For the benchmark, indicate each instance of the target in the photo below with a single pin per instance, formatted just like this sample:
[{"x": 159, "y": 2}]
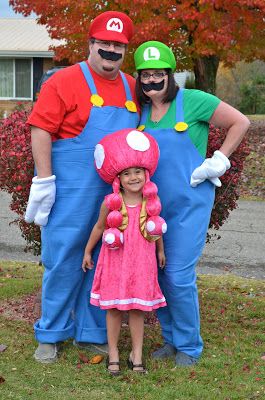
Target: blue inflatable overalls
[
  {"x": 187, "y": 212},
  {"x": 79, "y": 194}
]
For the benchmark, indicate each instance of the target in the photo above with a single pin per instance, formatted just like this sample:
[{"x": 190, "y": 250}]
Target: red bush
[
  {"x": 228, "y": 194},
  {"x": 17, "y": 166}
]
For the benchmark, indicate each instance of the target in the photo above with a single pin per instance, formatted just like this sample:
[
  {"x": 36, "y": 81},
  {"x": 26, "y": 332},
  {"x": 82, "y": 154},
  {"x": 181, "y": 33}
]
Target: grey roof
[{"x": 24, "y": 37}]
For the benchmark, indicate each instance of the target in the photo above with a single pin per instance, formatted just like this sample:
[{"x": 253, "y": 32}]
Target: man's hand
[
  {"x": 212, "y": 169},
  {"x": 41, "y": 200}
]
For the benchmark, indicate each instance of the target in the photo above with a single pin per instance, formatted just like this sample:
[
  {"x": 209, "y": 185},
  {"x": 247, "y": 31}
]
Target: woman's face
[{"x": 154, "y": 82}]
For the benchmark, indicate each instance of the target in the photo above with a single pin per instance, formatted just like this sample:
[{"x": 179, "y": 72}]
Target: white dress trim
[{"x": 127, "y": 301}]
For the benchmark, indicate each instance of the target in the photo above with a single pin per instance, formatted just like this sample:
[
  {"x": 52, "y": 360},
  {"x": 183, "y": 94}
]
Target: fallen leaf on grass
[
  {"x": 263, "y": 357},
  {"x": 96, "y": 359},
  {"x": 3, "y": 347},
  {"x": 246, "y": 368},
  {"x": 192, "y": 375},
  {"x": 83, "y": 358},
  {"x": 2, "y": 380}
]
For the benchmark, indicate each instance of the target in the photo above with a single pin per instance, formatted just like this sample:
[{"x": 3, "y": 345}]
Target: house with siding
[{"x": 24, "y": 55}]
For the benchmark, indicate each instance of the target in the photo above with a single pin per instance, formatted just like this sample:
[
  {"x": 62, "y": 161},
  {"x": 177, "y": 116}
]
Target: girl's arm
[
  {"x": 160, "y": 252},
  {"x": 94, "y": 237}
]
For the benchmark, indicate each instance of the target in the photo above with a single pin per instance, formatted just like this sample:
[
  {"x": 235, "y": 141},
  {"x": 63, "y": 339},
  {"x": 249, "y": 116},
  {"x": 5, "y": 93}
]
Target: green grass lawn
[{"x": 233, "y": 326}]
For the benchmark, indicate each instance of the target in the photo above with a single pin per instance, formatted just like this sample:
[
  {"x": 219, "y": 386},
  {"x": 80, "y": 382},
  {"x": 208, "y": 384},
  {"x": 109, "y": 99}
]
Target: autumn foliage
[
  {"x": 202, "y": 33},
  {"x": 228, "y": 194},
  {"x": 17, "y": 166}
]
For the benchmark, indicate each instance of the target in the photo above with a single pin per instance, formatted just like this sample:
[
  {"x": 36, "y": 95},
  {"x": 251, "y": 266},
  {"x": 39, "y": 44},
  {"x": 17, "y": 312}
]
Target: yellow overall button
[
  {"x": 96, "y": 100},
  {"x": 131, "y": 106},
  {"x": 181, "y": 126},
  {"x": 141, "y": 128}
]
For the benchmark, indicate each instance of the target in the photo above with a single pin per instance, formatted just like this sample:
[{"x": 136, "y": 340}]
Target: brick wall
[{"x": 8, "y": 106}]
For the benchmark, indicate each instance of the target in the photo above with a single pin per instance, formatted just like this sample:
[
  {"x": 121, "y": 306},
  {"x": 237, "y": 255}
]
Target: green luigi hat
[{"x": 152, "y": 55}]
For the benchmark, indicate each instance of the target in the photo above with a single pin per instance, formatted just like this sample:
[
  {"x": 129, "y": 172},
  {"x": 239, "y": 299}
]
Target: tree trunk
[{"x": 205, "y": 70}]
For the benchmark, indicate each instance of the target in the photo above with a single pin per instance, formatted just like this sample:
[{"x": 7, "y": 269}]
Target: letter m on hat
[{"x": 114, "y": 24}]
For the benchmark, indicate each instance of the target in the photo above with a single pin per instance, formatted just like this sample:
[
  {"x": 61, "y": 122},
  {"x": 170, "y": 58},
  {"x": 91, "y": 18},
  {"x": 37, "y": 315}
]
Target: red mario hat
[{"x": 112, "y": 25}]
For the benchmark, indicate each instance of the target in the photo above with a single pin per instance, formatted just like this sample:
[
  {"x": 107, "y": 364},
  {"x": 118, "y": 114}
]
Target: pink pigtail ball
[
  {"x": 114, "y": 219},
  {"x": 112, "y": 238},
  {"x": 156, "y": 226},
  {"x": 153, "y": 206},
  {"x": 113, "y": 201},
  {"x": 150, "y": 190}
]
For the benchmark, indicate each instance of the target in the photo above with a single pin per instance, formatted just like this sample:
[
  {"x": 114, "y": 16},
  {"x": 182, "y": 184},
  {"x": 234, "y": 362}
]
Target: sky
[{"x": 7, "y": 12}]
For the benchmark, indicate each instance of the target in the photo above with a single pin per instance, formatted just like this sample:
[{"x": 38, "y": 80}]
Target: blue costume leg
[
  {"x": 90, "y": 321},
  {"x": 180, "y": 320}
]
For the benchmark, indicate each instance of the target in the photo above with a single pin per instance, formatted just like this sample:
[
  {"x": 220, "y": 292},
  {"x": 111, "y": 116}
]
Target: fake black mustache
[
  {"x": 109, "y": 55},
  {"x": 147, "y": 87}
]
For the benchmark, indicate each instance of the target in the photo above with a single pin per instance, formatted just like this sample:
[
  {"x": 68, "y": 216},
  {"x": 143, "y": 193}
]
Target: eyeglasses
[
  {"x": 156, "y": 75},
  {"x": 106, "y": 45}
]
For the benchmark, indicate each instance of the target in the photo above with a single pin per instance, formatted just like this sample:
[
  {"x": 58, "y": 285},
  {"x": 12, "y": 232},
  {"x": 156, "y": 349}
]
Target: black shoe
[
  {"x": 132, "y": 366},
  {"x": 113, "y": 372}
]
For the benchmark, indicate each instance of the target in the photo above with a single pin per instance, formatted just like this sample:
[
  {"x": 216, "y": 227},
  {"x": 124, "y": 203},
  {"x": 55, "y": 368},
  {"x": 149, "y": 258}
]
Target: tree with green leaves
[{"x": 253, "y": 96}]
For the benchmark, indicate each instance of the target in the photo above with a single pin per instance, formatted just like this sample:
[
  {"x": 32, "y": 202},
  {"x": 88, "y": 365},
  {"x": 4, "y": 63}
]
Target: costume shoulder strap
[
  {"x": 126, "y": 86},
  {"x": 179, "y": 106},
  {"x": 88, "y": 77}
]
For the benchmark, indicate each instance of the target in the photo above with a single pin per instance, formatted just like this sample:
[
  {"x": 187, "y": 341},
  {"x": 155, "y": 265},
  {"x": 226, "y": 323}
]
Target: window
[{"x": 15, "y": 78}]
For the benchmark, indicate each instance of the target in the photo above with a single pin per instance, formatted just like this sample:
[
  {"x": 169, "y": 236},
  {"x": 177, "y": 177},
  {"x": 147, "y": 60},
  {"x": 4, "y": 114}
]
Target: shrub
[
  {"x": 228, "y": 194},
  {"x": 252, "y": 96},
  {"x": 17, "y": 166}
]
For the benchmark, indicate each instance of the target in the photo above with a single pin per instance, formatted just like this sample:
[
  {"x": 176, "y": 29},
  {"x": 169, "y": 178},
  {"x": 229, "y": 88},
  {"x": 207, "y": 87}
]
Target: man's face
[{"x": 106, "y": 57}]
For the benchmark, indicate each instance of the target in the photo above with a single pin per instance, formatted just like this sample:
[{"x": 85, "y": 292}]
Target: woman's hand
[
  {"x": 87, "y": 263},
  {"x": 212, "y": 169}
]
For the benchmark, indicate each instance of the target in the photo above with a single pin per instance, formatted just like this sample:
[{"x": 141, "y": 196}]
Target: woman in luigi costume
[{"x": 179, "y": 120}]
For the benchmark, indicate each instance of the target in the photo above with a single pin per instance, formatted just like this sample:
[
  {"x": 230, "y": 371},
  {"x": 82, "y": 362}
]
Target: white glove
[
  {"x": 211, "y": 169},
  {"x": 41, "y": 200}
]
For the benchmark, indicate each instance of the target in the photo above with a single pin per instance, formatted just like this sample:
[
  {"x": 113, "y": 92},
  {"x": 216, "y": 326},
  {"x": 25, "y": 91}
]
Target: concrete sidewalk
[{"x": 240, "y": 251}]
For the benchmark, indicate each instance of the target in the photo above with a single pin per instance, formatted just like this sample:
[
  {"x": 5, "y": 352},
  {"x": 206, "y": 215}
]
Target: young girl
[{"x": 126, "y": 274}]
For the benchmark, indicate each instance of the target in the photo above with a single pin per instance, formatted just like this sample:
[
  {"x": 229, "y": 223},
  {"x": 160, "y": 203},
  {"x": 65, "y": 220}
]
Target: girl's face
[
  {"x": 157, "y": 78},
  {"x": 132, "y": 179}
]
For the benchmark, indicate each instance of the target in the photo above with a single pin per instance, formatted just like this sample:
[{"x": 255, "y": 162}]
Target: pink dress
[{"x": 126, "y": 278}]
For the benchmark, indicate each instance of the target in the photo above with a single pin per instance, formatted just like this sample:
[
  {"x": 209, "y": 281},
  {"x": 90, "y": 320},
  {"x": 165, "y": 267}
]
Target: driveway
[{"x": 240, "y": 251}]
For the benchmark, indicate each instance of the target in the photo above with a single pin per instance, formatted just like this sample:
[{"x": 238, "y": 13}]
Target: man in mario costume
[{"x": 76, "y": 108}]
